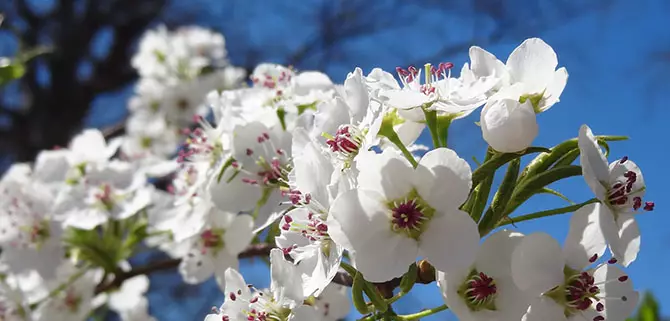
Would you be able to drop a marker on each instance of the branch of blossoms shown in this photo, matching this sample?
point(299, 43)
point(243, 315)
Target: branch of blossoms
point(328, 175)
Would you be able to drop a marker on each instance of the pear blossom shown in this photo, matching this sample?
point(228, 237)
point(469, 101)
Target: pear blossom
point(13, 303)
point(620, 188)
point(283, 301)
point(453, 96)
point(530, 73)
point(257, 174)
point(29, 236)
point(75, 301)
point(399, 212)
point(486, 290)
point(114, 191)
point(568, 282)
point(215, 248)
point(508, 126)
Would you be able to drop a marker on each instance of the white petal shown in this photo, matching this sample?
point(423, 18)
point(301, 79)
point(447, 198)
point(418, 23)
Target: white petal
point(329, 116)
point(236, 195)
point(236, 286)
point(533, 62)
point(450, 241)
point(537, 263)
point(222, 262)
point(453, 177)
point(508, 126)
point(593, 162)
point(484, 63)
point(620, 298)
point(357, 95)
point(195, 267)
point(286, 280)
point(610, 231)
point(385, 256)
point(404, 98)
point(89, 145)
point(337, 300)
point(239, 234)
point(554, 89)
point(312, 80)
point(388, 174)
point(629, 239)
point(449, 284)
point(495, 255)
point(312, 170)
point(585, 237)
point(544, 309)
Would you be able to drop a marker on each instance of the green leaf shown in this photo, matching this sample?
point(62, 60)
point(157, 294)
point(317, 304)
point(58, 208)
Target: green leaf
point(536, 215)
point(502, 197)
point(547, 190)
point(498, 160)
point(281, 113)
point(408, 280)
point(534, 184)
point(357, 294)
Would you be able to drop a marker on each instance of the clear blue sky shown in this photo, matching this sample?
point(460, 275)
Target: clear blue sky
point(617, 85)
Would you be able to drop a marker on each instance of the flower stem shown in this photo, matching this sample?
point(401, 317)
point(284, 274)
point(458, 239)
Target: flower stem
point(561, 210)
point(388, 132)
point(431, 122)
point(422, 314)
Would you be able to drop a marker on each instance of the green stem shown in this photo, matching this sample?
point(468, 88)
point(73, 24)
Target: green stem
point(423, 314)
point(393, 137)
point(562, 210)
point(443, 123)
point(431, 122)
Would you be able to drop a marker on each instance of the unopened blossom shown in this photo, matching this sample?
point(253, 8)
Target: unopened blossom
point(114, 191)
point(530, 73)
point(29, 236)
point(254, 179)
point(569, 283)
point(486, 290)
point(283, 301)
point(620, 188)
point(399, 213)
point(508, 126)
point(215, 248)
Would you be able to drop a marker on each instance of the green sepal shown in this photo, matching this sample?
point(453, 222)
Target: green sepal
point(498, 160)
point(502, 197)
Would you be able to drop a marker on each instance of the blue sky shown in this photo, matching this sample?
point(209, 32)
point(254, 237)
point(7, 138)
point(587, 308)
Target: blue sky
point(617, 86)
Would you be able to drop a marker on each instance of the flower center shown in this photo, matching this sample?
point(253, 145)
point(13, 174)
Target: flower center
point(410, 77)
point(621, 193)
point(199, 147)
point(581, 292)
point(72, 301)
point(409, 215)
point(212, 240)
point(105, 197)
point(479, 291)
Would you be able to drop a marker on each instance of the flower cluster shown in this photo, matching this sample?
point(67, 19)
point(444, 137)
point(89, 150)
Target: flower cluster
point(332, 178)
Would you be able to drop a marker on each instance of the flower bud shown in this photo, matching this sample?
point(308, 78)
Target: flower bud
point(509, 126)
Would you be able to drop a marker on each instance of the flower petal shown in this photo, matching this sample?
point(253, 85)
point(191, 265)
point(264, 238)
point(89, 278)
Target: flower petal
point(537, 263)
point(357, 95)
point(196, 267)
point(387, 173)
point(628, 244)
point(554, 89)
point(453, 173)
point(450, 241)
point(533, 62)
point(509, 126)
point(239, 234)
point(495, 255)
point(593, 162)
point(544, 309)
point(585, 238)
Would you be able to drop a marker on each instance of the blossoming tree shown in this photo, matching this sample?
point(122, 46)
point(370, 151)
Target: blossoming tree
point(328, 182)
